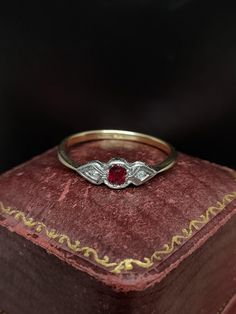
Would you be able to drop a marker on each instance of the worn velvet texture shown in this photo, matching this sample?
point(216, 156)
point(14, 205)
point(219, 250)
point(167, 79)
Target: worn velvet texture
point(132, 223)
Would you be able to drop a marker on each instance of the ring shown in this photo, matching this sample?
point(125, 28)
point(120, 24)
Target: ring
point(116, 173)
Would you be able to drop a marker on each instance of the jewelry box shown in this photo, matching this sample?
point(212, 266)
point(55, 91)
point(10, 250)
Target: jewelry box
point(68, 246)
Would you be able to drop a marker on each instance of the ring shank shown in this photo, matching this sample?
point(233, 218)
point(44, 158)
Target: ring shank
point(116, 135)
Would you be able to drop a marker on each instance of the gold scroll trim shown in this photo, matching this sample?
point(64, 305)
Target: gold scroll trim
point(127, 263)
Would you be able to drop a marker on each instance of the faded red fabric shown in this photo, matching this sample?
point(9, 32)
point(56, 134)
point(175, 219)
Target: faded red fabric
point(231, 306)
point(133, 222)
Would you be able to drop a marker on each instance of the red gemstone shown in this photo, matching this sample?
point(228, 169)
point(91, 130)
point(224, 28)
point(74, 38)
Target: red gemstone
point(117, 175)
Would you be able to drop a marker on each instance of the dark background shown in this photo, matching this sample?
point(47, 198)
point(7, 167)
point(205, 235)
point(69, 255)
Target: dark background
point(167, 68)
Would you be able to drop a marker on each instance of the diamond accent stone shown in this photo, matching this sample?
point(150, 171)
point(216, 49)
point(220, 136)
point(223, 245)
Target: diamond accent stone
point(93, 173)
point(142, 175)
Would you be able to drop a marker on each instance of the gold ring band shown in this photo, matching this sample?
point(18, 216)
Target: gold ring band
point(98, 172)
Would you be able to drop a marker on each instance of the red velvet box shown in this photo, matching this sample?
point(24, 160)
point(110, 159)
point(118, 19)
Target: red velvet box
point(67, 246)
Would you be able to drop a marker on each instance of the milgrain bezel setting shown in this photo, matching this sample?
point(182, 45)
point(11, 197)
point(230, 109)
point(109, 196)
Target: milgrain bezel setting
point(97, 172)
point(117, 173)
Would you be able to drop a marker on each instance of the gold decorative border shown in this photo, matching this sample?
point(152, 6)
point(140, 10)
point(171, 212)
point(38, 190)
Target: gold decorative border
point(127, 263)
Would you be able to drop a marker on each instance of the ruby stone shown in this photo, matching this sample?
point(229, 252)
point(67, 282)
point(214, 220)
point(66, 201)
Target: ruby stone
point(117, 175)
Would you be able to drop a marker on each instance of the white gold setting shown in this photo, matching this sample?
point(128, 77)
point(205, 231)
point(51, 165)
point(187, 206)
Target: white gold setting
point(117, 173)
point(97, 172)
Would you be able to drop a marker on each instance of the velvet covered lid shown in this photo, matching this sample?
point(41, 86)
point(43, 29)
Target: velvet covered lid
point(130, 238)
